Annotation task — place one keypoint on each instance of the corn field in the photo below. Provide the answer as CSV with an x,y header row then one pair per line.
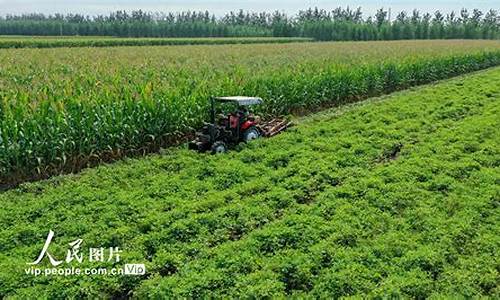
x,y
65,109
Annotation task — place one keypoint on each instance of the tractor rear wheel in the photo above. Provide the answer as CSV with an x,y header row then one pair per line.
x,y
219,147
251,133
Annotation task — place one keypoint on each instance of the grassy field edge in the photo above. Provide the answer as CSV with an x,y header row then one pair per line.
x,y
17,43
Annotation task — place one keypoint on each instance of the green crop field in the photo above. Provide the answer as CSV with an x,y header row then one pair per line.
x,y
64,109
67,41
394,197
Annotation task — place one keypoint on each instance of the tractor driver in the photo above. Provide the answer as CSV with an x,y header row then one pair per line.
x,y
243,112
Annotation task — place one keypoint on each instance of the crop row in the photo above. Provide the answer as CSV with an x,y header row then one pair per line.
x,y
61,117
113,42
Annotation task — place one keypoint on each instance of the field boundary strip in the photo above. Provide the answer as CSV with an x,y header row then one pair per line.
x,y
120,42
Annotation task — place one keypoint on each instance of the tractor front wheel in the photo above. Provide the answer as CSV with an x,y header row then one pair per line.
x,y
219,147
251,133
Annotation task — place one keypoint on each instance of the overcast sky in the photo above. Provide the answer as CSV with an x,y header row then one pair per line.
x,y
93,7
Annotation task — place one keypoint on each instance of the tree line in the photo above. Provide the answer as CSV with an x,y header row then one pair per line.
x,y
340,24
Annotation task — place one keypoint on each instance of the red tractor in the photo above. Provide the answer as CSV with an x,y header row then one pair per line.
x,y
240,125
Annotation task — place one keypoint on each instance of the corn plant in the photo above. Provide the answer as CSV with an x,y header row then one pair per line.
x,y
65,109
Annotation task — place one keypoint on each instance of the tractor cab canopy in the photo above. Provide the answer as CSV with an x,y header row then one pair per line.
x,y
240,100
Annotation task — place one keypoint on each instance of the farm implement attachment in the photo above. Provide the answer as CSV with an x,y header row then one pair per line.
x,y
274,127
224,131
